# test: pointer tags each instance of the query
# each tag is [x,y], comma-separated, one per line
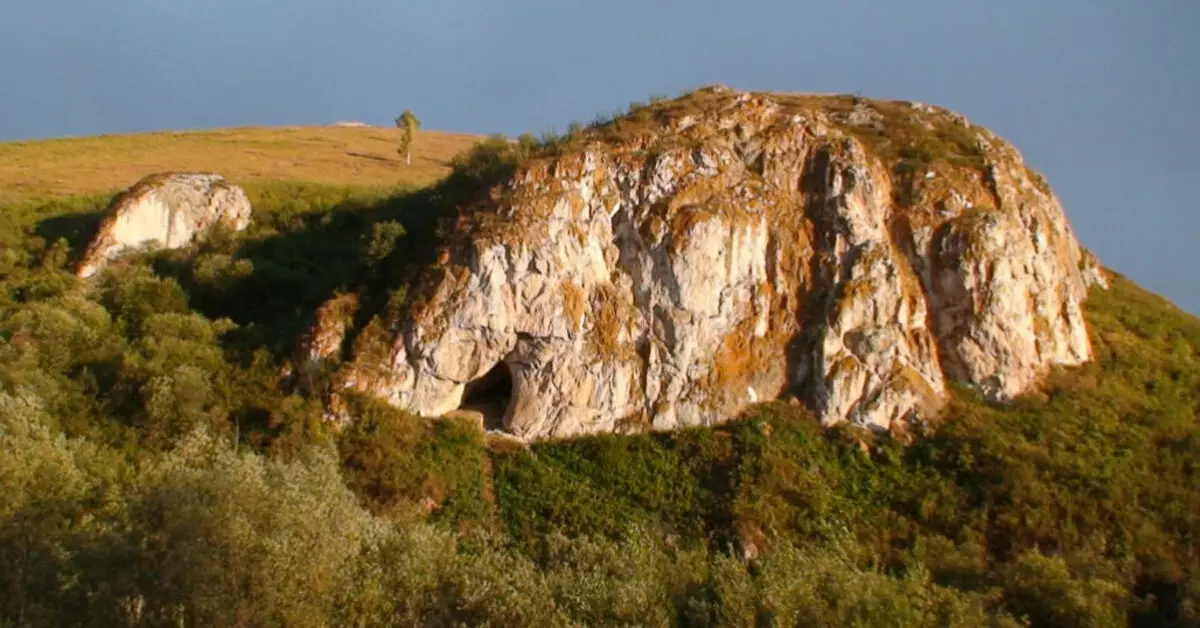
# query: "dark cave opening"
[489,395]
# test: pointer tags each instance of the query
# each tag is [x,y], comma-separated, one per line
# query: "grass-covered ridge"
[160,468]
[362,156]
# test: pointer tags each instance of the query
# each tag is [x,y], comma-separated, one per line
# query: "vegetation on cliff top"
[159,470]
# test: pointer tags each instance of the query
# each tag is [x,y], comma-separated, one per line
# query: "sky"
[1099,95]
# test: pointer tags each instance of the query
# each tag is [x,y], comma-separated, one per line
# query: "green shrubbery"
[397,461]
[157,469]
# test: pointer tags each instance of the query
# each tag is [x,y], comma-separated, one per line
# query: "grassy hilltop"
[361,156]
[159,469]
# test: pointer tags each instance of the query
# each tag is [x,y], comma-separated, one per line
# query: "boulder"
[165,211]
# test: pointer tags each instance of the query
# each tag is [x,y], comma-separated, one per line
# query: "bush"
[1043,590]
[44,487]
[211,537]
[384,237]
[398,462]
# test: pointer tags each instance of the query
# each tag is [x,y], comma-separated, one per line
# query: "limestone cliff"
[668,268]
[168,211]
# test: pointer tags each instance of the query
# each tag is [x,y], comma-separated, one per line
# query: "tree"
[409,123]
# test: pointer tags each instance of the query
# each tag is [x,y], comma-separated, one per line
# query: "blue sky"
[1100,95]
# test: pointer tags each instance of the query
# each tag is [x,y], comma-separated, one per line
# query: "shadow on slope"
[77,228]
[307,243]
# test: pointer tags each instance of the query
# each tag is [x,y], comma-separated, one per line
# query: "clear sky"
[1100,95]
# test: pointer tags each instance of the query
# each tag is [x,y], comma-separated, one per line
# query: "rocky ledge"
[670,267]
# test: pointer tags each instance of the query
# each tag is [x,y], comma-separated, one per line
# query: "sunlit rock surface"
[702,254]
[165,211]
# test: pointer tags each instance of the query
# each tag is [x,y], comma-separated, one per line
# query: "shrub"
[1043,590]
[211,537]
[398,462]
[384,237]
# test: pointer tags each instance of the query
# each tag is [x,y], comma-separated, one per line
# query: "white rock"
[165,211]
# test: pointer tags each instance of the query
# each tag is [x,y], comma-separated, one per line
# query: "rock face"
[671,267]
[168,211]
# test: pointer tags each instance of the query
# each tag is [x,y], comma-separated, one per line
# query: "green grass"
[602,484]
[396,461]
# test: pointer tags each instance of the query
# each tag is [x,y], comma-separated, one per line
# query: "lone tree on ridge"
[409,123]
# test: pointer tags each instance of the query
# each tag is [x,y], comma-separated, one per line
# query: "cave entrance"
[489,395]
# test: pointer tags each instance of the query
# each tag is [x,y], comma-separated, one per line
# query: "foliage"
[159,467]
[599,485]
[384,237]
[229,539]
[408,125]
[398,461]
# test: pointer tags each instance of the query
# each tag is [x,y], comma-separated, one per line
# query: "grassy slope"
[52,169]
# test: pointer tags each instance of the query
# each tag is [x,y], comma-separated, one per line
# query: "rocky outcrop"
[165,211]
[323,340]
[699,255]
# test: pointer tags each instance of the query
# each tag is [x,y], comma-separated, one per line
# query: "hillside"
[168,458]
[361,156]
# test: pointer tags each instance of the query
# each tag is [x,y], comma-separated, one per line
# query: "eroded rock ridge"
[673,266]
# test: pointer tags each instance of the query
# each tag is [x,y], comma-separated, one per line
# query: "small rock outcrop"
[673,266]
[325,335]
[166,211]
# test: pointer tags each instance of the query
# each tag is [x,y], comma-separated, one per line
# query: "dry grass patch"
[574,303]
[610,317]
[49,169]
